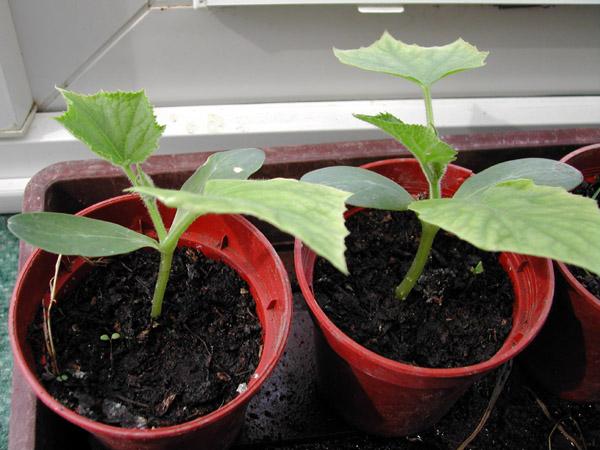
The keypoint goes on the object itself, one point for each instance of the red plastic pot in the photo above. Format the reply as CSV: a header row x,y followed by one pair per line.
x,y
386,397
565,358
247,251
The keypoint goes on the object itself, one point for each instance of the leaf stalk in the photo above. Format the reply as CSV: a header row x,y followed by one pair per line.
x,y
429,107
435,190
150,204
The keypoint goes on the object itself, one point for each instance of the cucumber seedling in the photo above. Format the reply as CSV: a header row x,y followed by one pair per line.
x,y
121,128
519,206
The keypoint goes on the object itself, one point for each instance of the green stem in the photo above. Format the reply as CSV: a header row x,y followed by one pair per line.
x,y
164,270
159,226
435,190
167,248
428,233
428,107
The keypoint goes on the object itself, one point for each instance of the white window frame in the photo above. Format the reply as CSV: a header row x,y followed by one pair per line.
x,y
16,103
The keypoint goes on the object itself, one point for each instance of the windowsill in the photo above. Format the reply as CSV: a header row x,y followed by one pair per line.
x,y
213,127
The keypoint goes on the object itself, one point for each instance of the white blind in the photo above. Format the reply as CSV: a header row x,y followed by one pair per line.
x,y
201,3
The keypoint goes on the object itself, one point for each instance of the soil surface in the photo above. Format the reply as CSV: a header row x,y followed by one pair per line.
x,y
454,316
122,369
589,280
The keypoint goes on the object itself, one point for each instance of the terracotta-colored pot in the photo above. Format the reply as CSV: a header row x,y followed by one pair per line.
x,y
565,358
386,397
248,252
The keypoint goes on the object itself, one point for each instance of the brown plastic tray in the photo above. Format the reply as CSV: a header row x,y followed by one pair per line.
x,y
287,410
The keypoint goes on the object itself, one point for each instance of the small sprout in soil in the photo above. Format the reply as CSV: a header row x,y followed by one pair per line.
x,y
121,128
519,206
478,269
112,337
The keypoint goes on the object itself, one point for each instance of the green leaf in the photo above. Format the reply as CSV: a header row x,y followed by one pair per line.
x,y
369,189
433,154
421,65
308,211
236,164
519,216
541,171
118,126
232,164
74,235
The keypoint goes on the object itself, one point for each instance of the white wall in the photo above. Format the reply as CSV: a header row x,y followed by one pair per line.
x,y
255,54
58,36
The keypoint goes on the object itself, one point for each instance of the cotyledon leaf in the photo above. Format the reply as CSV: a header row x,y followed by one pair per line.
x,y
66,234
236,164
421,65
118,126
521,217
231,164
541,171
308,211
369,189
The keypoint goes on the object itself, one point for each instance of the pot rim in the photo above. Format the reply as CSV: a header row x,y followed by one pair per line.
x,y
161,432
581,290
574,153
408,369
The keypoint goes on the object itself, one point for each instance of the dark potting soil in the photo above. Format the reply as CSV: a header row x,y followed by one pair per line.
x,y
454,317
590,281
188,363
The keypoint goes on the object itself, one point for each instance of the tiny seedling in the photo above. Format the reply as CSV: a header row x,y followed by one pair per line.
x,y
121,128
112,337
519,206
477,269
